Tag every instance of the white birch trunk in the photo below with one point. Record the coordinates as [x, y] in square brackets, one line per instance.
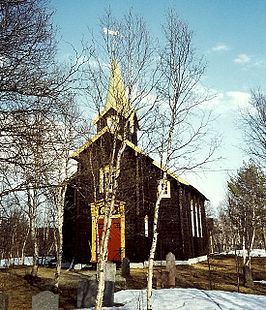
[103, 255]
[60, 196]
[153, 247]
[23, 246]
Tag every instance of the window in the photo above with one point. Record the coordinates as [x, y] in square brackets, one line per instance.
[197, 220]
[192, 218]
[146, 226]
[164, 188]
[106, 182]
[200, 223]
[113, 123]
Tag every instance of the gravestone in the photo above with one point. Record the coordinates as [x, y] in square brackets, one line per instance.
[46, 301]
[87, 289]
[125, 267]
[165, 279]
[110, 271]
[159, 279]
[171, 268]
[86, 294]
[3, 301]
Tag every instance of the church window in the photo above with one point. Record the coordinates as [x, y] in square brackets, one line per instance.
[113, 123]
[200, 223]
[197, 220]
[106, 181]
[192, 217]
[146, 226]
[164, 189]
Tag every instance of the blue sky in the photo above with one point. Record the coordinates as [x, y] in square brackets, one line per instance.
[231, 34]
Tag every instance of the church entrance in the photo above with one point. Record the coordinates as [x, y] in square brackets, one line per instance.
[116, 245]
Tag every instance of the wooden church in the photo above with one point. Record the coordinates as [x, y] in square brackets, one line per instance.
[182, 227]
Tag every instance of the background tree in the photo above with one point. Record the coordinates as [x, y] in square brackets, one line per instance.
[255, 127]
[246, 210]
[34, 92]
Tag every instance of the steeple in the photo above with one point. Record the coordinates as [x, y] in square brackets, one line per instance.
[117, 105]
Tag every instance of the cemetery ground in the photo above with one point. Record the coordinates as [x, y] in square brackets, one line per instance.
[222, 276]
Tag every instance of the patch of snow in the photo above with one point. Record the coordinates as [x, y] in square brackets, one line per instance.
[261, 282]
[28, 260]
[254, 253]
[187, 299]
[189, 261]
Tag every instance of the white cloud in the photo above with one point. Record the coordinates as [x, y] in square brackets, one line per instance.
[220, 47]
[110, 32]
[229, 102]
[242, 59]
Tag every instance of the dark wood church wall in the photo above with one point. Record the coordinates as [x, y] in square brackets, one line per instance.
[138, 183]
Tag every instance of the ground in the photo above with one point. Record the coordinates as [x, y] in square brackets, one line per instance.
[222, 276]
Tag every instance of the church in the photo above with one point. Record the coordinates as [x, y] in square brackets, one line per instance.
[182, 227]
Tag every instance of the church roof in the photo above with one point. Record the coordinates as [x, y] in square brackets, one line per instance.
[137, 149]
[116, 95]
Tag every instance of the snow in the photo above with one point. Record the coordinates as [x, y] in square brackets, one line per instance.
[6, 263]
[254, 253]
[187, 299]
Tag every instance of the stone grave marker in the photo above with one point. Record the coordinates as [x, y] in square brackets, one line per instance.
[110, 271]
[87, 289]
[45, 301]
[165, 279]
[86, 294]
[171, 268]
[3, 301]
[159, 279]
[125, 267]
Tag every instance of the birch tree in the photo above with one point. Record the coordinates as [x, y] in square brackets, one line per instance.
[183, 134]
[127, 47]
[66, 135]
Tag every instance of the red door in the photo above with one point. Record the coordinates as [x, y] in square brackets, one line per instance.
[114, 245]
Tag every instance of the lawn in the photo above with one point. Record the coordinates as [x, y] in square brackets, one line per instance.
[222, 276]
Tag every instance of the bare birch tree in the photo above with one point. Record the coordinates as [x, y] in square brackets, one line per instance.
[66, 135]
[127, 46]
[184, 139]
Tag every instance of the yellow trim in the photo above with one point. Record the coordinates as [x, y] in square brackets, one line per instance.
[76, 153]
[172, 174]
[95, 216]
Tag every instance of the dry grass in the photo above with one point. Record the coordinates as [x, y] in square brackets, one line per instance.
[223, 277]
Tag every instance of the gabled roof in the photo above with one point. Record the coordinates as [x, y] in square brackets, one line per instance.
[137, 149]
[76, 153]
[116, 95]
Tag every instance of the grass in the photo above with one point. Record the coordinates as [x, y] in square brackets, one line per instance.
[223, 277]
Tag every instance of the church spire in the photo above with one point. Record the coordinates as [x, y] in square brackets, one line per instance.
[117, 103]
[116, 95]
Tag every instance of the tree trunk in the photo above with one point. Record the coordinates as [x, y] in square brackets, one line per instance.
[23, 246]
[103, 255]
[264, 236]
[60, 196]
[153, 247]
[34, 270]
[248, 279]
